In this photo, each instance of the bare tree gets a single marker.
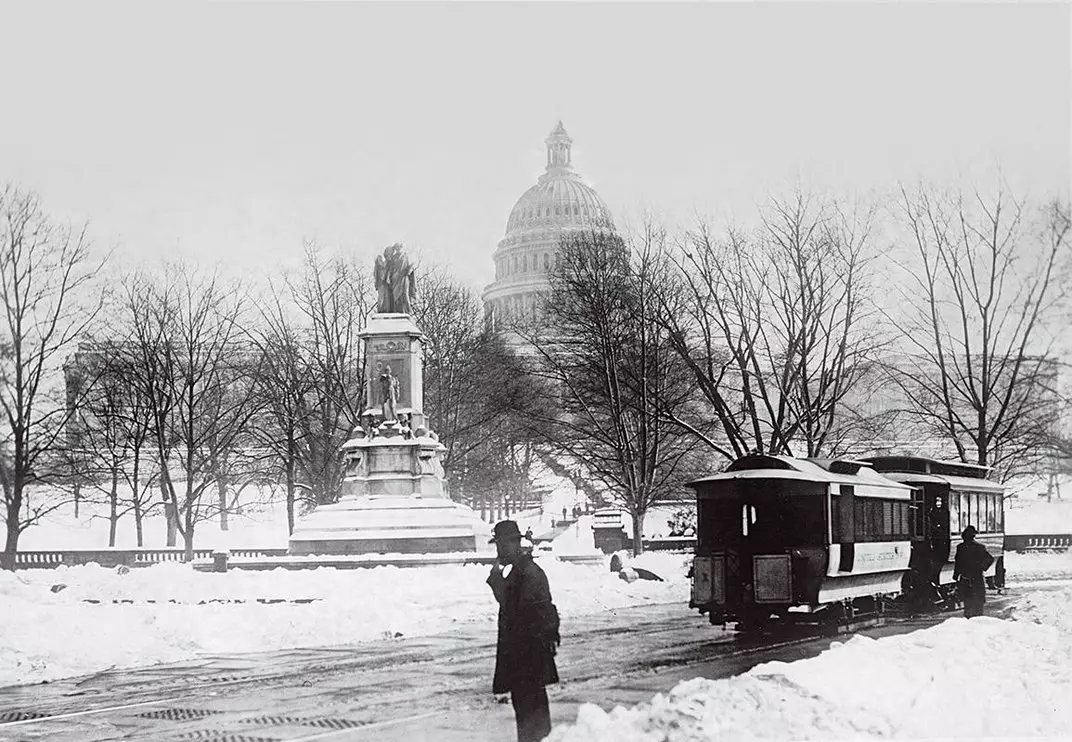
(108, 435)
(474, 391)
(191, 368)
(449, 315)
(777, 329)
(46, 280)
(284, 387)
(333, 301)
(613, 369)
(980, 287)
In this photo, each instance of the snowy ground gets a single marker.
(937, 682)
(960, 679)
(49, 634)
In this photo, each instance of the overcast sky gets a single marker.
(230, 133)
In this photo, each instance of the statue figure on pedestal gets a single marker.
(389, 390)
(396, 283)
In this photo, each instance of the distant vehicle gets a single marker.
(829, 541)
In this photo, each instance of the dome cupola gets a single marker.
(560, 202)
(560, 199)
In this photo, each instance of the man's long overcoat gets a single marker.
(971, 561)
(528, 628)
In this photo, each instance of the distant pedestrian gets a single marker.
(528, 633)
(971, 561)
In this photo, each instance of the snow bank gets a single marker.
(50, 635)
(967, 679)
(1037, 566)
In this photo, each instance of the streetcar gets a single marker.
(792, 538)
(833, 540)
(954, 495)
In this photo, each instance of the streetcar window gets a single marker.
(977, 513)
(916, 512)
(887, 518)
(954, 512)
(842, 515)
(806, 521)
(1000, 520)
(859, 517)
(718, 522)
(868, 520)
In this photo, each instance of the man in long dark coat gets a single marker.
(528, 633)
(971, 561)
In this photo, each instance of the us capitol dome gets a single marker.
(560, 203)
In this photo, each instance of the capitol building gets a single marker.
(560, 203)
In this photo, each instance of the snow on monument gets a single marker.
(393, 499)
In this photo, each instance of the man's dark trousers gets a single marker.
(532, 712)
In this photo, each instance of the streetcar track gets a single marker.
(441, 690)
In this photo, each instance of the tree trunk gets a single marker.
(77, 498)
(11, 543)
(221, 484)
(137, 521)
(291, 495)
(170, 513)
(172, 523)
(638, 533)
(188, 542)
(113, 508)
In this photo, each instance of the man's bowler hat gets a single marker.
(969, 532)
(506, 530)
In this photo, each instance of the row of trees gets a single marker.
(823, 331)
(175, 390)
(828, 331)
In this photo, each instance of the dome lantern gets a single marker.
(558, 148)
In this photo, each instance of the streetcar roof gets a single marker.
(925, 465)
(801, 470)
(958, 484)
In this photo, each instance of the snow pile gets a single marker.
(1049, 608)
(50, 635)
(979, 678)
(577, 539)
(1022, 568)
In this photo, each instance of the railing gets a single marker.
(1038, 542)
(126, 557)
(147, 557)
(670, 543)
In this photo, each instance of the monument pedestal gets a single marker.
(392, 502)
(393, 499)
(389, 525)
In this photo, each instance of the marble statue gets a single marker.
(396, 282)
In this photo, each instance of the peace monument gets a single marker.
(393, 499)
